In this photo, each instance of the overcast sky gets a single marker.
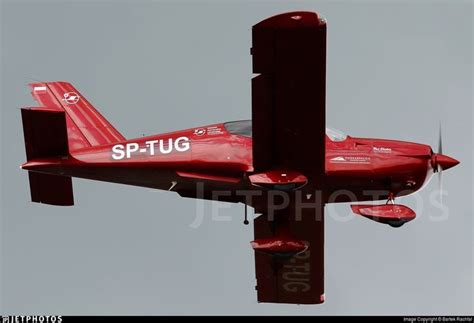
(395, 69)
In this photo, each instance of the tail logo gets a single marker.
(71, 97)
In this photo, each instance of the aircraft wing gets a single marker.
(299, 279)
(288, 131)
(288, 97)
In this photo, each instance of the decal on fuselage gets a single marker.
(382, 150)
(151, 147)
(350, 160)
(214, 130)
(199, 131)
(210, 131)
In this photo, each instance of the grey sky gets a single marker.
(395, 69)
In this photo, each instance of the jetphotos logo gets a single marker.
(350, 160)
(32, 319)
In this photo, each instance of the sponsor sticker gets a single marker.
(350, 160)
(383, 150)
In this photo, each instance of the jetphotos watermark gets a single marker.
(432, 319)
(32, 319)
(275, 202)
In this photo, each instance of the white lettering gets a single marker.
(184, 145)
(151, 144)
(165, 146)
(131, 147)
(118, 152)
(169, 146)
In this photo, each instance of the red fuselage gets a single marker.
(359, 169)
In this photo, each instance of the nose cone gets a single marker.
(445, 162)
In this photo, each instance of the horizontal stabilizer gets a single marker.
(46, 137)
(51, 189)
(44, 132)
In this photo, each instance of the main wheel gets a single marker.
(396, 224)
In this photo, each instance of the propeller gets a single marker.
(440, 140)
(441, 162)
(439, 168)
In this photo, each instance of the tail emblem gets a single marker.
(71, 97)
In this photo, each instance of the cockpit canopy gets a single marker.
(244, 128)
(335, 135)
(241, 127)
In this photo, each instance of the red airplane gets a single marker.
(284, 162)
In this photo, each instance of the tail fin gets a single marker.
(46, 137)
(86, 127)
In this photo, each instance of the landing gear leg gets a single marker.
(391, 198)
(246, 222)
(394, 223)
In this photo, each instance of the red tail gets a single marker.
(86, 127)
(64, 122)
